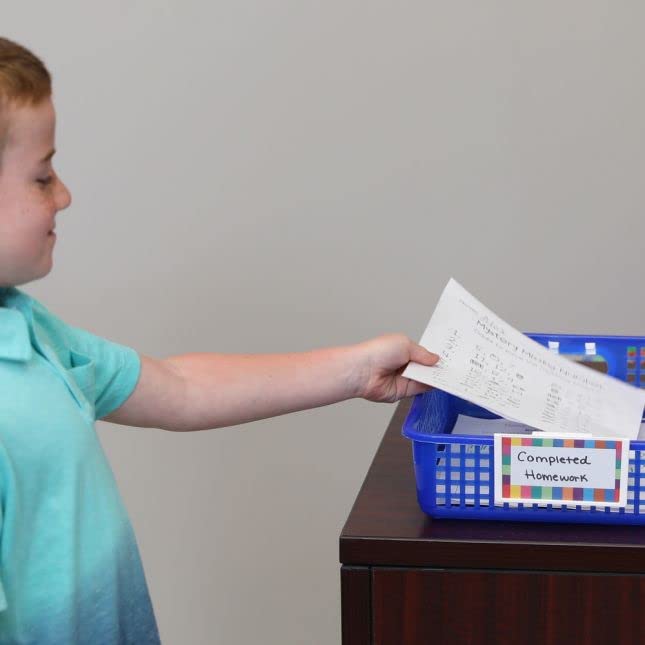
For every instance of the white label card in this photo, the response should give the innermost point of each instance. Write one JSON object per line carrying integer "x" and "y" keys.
{"x": 561, "y": 470}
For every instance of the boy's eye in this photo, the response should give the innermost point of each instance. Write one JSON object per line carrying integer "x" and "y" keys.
{"x": 45, "y": 181}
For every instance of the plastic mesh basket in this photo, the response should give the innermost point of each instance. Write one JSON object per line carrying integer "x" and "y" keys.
{"x": 455, "y": 473}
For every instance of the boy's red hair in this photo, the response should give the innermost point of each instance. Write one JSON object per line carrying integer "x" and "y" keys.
{"x": 24, "y": 80}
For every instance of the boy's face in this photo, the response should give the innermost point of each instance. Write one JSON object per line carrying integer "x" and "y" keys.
{"x": 30, "y": 195}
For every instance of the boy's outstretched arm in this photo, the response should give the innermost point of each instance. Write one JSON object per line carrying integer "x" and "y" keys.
{"x": 201, "y": 391}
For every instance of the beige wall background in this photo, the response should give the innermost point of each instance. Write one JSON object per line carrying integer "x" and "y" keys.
{"x": 269, "y": 176}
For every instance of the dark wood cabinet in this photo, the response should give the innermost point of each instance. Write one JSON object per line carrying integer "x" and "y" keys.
{"x": 407, "y": 579}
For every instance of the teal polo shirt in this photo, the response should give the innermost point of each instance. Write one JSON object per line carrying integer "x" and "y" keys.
{"x": 70, "y": 569}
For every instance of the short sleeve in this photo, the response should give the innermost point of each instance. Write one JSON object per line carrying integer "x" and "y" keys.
{"x": 110, "y": 368}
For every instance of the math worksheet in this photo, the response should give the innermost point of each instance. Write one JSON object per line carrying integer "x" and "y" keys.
{"x": 486, "y": 361}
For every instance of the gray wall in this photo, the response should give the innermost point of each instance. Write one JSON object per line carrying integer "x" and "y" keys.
{"x": 268, "y": 176}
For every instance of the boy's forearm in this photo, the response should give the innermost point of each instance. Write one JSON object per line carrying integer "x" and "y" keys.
{"x": 201, "y": 391}
{"x": 222, "y": 390}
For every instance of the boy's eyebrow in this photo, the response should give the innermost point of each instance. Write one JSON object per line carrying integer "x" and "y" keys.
{"x": 48, "y": 156}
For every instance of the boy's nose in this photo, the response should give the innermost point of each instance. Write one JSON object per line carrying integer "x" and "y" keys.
{"x": 63, "y": 196}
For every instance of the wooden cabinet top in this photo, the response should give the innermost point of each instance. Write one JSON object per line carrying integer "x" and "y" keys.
{"x": 387, "y": 527}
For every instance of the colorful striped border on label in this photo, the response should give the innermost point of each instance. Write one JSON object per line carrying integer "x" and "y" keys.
{"x": 561, "y": 470}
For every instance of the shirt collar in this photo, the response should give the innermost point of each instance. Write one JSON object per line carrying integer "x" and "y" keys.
{"x": 16, "y": 321}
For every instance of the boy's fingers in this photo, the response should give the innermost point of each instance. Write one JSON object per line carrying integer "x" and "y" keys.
{"x": 414, "y": 388}
{"x": 421, "y": 355}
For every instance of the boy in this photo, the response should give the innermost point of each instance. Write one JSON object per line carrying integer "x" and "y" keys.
{"x": 69, "y": 566}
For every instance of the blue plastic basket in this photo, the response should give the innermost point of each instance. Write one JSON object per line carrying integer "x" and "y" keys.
{"x": 455, "y": 473}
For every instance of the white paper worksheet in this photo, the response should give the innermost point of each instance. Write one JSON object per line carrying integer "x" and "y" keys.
{"x": 488, "y": 362}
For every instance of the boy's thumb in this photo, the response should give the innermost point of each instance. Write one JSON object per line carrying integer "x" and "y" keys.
{"x": 423, "y": 356}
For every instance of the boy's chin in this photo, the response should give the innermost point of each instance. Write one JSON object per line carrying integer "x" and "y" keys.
{"x": 37, "y": 274}
{"x": 44, "y": 273}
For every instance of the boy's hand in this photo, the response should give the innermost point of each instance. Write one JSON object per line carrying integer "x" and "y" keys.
{"x": 383, "y": 360}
